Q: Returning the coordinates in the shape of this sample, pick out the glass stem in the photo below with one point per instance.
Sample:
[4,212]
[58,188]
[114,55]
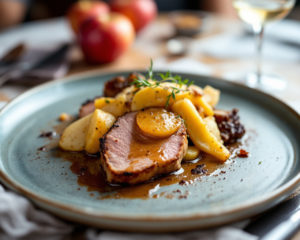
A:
[259,34]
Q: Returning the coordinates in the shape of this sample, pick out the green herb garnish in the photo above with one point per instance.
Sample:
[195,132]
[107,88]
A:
[150,81]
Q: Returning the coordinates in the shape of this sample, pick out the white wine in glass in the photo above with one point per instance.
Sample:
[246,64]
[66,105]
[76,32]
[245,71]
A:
[257,13]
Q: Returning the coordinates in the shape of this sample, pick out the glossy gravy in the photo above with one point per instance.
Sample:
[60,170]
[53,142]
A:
[90,175]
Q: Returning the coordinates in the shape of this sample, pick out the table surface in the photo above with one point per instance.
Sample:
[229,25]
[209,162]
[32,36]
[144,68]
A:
[151,44]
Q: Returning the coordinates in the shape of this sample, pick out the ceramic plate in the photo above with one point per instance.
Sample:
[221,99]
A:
[247,187]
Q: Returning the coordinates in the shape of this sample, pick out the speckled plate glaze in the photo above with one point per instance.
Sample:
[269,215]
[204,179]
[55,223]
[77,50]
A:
[251,185]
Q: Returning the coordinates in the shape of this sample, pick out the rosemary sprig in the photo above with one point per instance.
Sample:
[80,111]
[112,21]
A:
[150,70]
[141,82]
[150,81]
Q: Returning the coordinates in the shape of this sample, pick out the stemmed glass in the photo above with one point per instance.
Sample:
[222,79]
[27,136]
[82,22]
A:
[257,13]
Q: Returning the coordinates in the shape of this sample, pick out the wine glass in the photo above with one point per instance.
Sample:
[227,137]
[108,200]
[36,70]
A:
[257,13]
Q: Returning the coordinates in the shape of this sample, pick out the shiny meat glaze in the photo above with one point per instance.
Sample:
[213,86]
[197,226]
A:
[129,157]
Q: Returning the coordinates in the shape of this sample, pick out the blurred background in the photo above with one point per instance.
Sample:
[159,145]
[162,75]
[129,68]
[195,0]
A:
[14,12]
[54,38]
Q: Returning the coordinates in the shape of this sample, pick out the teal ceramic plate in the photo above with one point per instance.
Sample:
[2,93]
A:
[247,187]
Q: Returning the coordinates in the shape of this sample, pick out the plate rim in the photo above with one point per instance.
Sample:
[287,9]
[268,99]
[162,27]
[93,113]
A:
[271,197]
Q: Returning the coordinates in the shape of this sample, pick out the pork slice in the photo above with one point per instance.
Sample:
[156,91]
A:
[86,108]
[129,157]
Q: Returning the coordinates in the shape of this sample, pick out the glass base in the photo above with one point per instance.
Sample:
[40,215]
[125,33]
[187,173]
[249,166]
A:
[265,82]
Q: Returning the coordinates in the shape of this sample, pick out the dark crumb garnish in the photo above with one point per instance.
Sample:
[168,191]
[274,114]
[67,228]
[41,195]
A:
[43,148]
[199,169]
[83,170]
[176,191]
[182,182]
[117,84]
[229,125]
[47,134]
[182,197]
[243,153]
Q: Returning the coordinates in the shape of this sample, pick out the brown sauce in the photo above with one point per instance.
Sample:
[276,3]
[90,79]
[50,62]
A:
[145,152]
[89,173]
[87,168]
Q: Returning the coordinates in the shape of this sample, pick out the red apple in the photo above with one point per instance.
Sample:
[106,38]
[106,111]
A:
[105,38]
[82,10]
[140,12]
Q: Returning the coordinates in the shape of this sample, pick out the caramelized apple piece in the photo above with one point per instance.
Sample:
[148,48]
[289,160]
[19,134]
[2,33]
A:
[198,131]
[158,96]
[157,122]
[191,154]
[99,124]
[114,106]
[73,137]
[211,95]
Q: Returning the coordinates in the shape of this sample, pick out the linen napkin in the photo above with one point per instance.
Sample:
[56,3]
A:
[19,219]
